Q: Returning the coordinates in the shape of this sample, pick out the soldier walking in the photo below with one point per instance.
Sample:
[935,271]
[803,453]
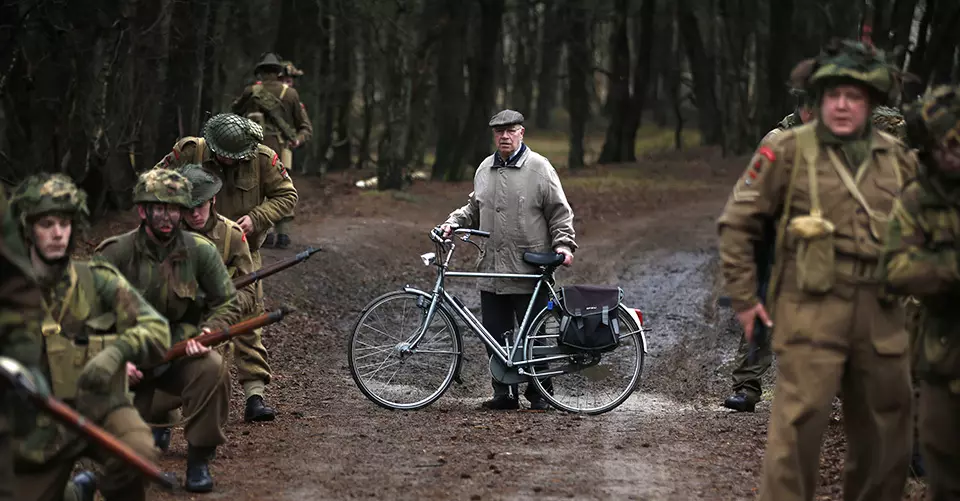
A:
[274,103]
[829,187]
[180,273]
[94,323]
[921,259]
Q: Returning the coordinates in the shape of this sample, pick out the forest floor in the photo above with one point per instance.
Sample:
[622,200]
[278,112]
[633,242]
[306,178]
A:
[649,228]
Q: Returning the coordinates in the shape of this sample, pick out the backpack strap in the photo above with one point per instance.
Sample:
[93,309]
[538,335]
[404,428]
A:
[284,91]
[198,155]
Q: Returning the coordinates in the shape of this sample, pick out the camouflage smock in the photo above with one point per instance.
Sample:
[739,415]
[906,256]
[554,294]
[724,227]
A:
[186,282]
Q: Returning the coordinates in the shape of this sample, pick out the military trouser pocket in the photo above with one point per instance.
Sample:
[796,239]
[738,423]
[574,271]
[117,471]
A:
[888,334]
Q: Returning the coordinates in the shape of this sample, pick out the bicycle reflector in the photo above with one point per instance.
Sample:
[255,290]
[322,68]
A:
[639,315]
[428,258]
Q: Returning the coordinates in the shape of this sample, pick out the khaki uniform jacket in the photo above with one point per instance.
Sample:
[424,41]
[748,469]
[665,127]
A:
[922,259]
[187,282]
[232,245]
[523,206]
[292,110]
[760,194]
[259,187]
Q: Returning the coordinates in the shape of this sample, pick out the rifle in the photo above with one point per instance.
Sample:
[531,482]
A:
[266,271]
[214,338]
[15,376]
[763,259]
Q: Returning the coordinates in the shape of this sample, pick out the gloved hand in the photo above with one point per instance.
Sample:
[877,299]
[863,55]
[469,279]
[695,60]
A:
[100,369]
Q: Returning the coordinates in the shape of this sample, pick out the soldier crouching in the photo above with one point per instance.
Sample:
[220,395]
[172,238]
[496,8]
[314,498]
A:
[181,274]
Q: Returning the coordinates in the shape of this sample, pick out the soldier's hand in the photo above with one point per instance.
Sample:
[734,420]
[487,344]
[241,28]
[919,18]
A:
[134,376]
[293,144]
[195,349]
[246,224]
[748,317]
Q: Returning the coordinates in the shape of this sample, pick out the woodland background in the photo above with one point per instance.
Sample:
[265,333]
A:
[101,89]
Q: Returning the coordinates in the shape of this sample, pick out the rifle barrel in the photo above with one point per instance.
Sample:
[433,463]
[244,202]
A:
[266,271]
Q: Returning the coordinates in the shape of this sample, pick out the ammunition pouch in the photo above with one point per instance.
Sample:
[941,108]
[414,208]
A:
[816,259]
[272,107]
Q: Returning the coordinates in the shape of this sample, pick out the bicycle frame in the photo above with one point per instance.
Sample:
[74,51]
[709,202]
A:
[440,294]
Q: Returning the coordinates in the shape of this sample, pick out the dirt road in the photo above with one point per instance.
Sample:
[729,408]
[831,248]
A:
[654,234]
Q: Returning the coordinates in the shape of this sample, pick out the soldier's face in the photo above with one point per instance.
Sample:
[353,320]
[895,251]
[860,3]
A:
[508,138]
[51,236]
[844,109]
[162,219]
[947,155]
[197,217]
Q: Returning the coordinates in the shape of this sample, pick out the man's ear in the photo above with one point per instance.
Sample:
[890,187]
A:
[142,211]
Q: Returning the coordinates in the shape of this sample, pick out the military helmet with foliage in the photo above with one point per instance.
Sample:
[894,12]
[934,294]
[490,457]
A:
[162,186]
[290,70]
[890,120]
[849,60]
[935,118]
[232,136]
[47,193]
[205,185]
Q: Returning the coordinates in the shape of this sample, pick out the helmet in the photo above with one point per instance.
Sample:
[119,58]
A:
[289,70]
[890,120]
[205,184]
[232,136]
[45,193]
[935,118]
[269,62]
[856,61]
[164,186]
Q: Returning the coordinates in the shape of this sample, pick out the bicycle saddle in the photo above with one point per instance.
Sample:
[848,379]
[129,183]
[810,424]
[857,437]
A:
[543,258]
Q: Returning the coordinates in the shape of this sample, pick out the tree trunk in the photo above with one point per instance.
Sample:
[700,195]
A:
[525,38]
[343,68]
[779,58]
[368,89]
[182,116]
[641,79]
[701,65]
[450,62]
[579,68]
[619,82]
[550,50]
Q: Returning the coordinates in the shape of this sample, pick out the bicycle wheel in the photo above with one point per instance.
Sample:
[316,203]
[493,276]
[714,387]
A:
[589,383]
[383,365]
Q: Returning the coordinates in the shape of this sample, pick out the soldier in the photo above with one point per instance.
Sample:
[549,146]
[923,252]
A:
[276,106]
[282,238]
[544,223]
[828,186]
[181,274]
[754,360]
[257,192]
[232,246]
[921,260]
[94,322]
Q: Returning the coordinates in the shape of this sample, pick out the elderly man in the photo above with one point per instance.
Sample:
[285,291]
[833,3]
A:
[517,197]
[829,186]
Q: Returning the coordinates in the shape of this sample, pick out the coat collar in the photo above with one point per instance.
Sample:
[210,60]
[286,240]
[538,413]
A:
[516,161]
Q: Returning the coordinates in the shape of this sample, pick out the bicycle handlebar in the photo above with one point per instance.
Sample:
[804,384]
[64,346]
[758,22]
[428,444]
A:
[437,235]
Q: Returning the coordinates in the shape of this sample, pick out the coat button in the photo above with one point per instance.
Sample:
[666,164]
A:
[498,209]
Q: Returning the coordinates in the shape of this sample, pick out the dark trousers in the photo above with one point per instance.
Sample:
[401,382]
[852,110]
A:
[504,312]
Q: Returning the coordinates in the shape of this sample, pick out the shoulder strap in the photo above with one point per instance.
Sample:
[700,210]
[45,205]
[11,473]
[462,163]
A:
[198,154]
[284,91]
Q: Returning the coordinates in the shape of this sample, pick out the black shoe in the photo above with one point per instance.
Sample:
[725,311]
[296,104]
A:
[257,411]
[270,239]
[198,469]
[283,241]
[740,402]
[540,404]
[501,403]
[161,438]
[85,484]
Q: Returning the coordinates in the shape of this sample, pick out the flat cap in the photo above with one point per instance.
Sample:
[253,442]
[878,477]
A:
[506,117]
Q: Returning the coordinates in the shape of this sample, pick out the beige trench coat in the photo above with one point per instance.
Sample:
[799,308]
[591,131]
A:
[524,208]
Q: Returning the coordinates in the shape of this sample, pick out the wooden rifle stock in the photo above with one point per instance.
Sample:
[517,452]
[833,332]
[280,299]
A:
[266,271]
[72,419]
[214,338]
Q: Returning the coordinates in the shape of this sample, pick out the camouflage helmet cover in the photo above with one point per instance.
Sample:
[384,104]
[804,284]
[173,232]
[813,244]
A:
[163,186]
[853,60]
[232,136]
[290,70]
[890,120]
[935,118]
[48,193]
[205,185]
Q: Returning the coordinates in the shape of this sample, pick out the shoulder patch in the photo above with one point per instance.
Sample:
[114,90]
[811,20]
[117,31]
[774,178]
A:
[767,152]
[276,158]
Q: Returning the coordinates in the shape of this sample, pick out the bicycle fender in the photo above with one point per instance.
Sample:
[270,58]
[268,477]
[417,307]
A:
[636,318]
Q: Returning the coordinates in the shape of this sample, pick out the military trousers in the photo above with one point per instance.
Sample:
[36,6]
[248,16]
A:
[201,385]
[120,482]
[939,422]
[856,345]
[747,375]
[249,354]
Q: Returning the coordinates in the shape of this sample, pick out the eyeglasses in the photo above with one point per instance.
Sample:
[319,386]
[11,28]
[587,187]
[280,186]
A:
[502,131]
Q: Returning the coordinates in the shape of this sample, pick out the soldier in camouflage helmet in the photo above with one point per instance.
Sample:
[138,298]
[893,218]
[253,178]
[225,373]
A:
[921,259]
[94,323]
[250,355]
[836,330]
[180,273]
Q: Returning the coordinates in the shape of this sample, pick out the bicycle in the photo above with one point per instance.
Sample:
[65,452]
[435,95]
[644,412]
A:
[406,355]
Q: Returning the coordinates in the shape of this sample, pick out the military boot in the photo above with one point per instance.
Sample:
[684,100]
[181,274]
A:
[740,402]
[258,411]
[161,438]
[198,469]
[82,487]
[283,241]
[271,237]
